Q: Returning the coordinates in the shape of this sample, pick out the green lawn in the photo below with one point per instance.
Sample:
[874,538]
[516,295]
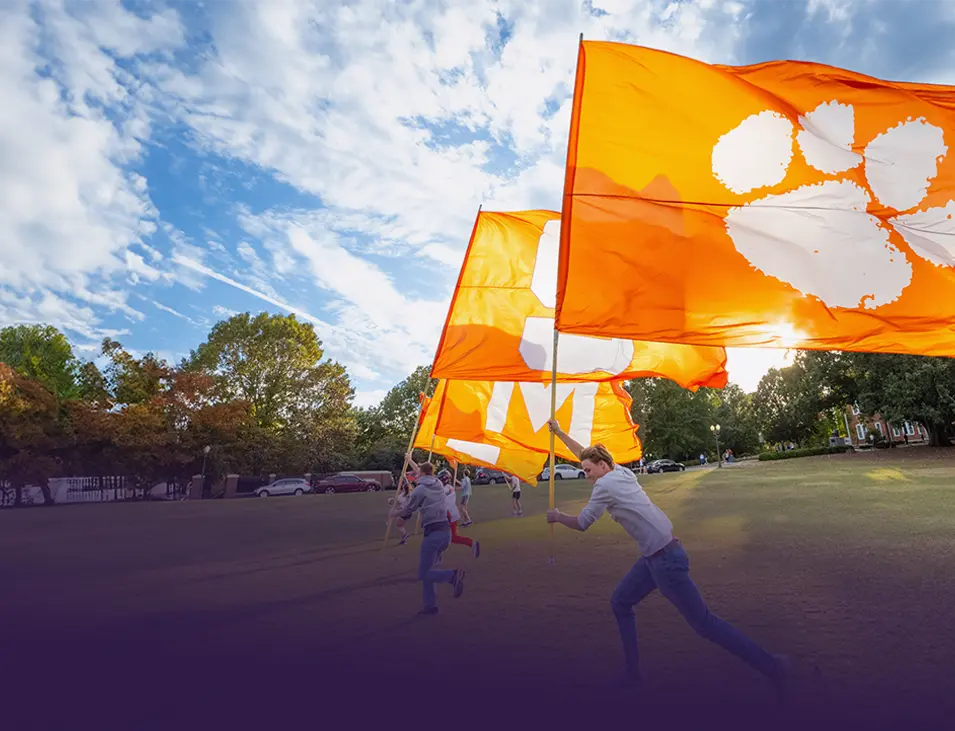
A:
[843,562]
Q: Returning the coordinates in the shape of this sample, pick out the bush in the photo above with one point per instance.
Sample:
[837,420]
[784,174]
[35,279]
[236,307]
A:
[793,453]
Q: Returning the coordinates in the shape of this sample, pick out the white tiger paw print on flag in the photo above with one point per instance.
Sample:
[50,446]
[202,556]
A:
[819,237]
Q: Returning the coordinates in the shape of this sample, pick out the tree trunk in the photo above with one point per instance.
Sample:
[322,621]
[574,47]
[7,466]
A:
[47,493]
[937,436]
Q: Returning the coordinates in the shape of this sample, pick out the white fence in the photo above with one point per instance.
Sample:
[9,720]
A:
[88,490]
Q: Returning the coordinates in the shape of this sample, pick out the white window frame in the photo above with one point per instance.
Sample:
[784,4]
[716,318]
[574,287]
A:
[878,428]
[861,432]
[896,432]
[855,409]
[909,429]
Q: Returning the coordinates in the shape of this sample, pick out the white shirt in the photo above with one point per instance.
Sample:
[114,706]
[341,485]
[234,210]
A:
[620,494]
[452,504]
[515,483]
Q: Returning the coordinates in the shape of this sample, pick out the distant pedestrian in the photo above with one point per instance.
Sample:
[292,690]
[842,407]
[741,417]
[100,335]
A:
[515,483]
[398,503]
[464,485]
[454,516]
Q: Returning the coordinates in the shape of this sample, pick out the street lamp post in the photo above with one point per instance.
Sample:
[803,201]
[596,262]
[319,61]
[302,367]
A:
[715,428]
[205,453]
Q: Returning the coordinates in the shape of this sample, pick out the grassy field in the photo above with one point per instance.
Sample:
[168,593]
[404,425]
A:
[183,615]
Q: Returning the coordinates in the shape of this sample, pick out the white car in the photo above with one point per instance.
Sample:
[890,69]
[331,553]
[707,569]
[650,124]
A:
[564,472]
[290,486]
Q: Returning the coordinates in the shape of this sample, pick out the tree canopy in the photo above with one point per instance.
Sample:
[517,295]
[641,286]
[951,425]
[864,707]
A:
[261,395]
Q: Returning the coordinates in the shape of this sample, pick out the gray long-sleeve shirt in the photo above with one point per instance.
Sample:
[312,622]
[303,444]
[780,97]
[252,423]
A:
[430,498]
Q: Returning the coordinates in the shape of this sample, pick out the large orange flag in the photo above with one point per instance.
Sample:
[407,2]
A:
[783,204]
[507,413]
[500,325]
[504,456]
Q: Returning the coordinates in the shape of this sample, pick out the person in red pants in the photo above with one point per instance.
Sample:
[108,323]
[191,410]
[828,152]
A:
[454,516]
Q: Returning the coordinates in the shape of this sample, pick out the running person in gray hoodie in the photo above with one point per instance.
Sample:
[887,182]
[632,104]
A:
[431,499]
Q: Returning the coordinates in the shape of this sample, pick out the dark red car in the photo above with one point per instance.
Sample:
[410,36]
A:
[345,483]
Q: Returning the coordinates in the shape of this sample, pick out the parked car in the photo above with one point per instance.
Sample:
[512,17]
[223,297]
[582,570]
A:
[664,465]
[290,486]
[485,476]
[382,477]
[345,482]
[564,472]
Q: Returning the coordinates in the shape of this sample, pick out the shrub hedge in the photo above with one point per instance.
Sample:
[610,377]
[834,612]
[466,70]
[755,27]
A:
[810,452]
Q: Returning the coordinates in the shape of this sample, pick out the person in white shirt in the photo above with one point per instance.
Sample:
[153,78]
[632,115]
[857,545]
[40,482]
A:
[663,565]
[515,484]
[464,485]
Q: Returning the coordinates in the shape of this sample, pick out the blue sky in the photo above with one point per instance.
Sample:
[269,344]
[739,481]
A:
[164,165]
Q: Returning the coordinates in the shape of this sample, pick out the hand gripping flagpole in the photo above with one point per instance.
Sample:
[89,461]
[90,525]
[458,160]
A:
[553,415]
[404,467]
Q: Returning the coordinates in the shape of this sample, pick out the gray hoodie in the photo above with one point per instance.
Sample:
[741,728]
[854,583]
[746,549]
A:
[430,498]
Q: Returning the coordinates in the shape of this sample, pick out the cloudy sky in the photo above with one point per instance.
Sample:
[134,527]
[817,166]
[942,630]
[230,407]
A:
[163,165]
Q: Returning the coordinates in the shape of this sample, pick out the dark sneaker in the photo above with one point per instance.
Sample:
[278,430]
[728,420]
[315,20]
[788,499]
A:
[458,583]
[428,611]
[404,539]
[476,548]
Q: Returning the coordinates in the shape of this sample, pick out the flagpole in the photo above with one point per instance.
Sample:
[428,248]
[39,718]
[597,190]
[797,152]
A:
[553,415]
[404,467]
[564,220]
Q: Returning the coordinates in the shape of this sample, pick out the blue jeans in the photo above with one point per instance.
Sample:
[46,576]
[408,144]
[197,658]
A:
[669,572]
[433,544]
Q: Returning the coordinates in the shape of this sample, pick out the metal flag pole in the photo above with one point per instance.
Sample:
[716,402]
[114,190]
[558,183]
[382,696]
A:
[553,415]
[404,468]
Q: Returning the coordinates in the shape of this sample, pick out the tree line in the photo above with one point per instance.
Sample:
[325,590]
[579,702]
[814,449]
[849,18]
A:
[260,393]
[803,404]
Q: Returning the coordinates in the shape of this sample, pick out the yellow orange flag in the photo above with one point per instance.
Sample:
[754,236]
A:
[507,457]
[783,204]
[506,413]
[500,325]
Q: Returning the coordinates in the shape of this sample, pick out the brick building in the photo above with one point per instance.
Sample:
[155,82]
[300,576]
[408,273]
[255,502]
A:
[859,426]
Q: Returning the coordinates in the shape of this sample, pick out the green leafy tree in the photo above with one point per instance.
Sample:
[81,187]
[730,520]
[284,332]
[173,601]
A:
[274,363]
[383,431]
[674,422]
[908,388]
[31,430]
[733,411]
[787,405]
[399,408]
[130,380]
[43,354]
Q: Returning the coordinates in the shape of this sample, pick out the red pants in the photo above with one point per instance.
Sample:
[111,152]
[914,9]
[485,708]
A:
[462,540]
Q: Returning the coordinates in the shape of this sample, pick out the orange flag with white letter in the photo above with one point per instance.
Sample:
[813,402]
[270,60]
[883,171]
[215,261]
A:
[500,325]
[505,413]
[504,456]
[785,204]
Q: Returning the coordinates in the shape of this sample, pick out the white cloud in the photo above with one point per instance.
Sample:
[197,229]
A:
[343,343]
[224,312]
[326,104]
[367,301]
[366,399]
[399,118]
[170,310]
[69,206]
[402,119]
